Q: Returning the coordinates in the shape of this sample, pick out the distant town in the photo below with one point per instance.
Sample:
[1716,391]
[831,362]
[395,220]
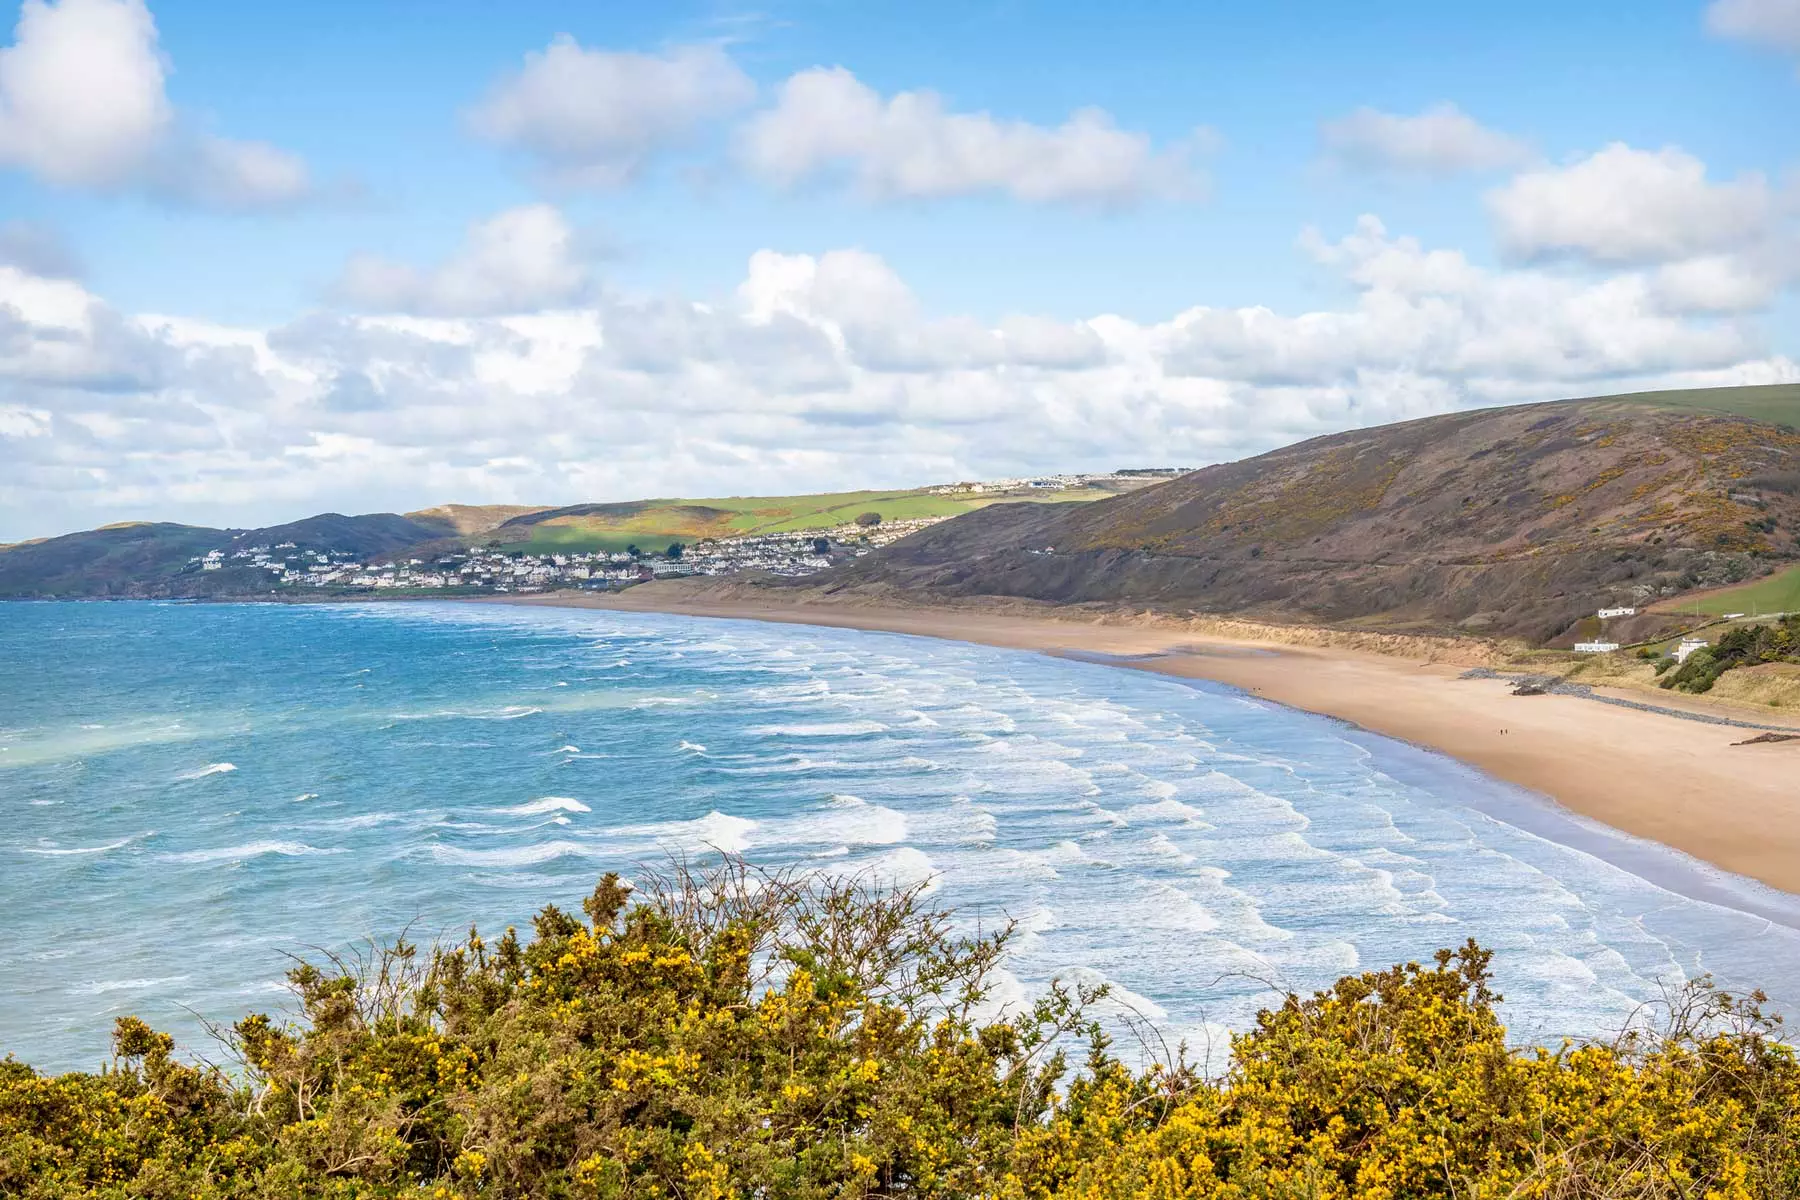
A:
[498,569]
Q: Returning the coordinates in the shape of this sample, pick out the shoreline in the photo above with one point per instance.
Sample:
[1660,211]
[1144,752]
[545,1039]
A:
[1660,777]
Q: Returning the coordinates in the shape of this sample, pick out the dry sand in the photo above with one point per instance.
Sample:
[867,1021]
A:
[1675,781]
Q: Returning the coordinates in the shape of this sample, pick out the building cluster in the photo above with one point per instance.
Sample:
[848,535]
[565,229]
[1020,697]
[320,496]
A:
[1119,480]
[500,570]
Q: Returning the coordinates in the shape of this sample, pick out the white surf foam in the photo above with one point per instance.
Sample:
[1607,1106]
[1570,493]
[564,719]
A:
[247,851]
[101,986]
[547,804]
[512,856]
[715,831]
[218,768]
[845,819]
[57,851]
[820,729]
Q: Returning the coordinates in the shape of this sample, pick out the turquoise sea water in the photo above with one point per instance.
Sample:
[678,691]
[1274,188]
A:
[190,794]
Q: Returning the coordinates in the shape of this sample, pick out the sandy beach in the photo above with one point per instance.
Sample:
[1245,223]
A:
[1679,782]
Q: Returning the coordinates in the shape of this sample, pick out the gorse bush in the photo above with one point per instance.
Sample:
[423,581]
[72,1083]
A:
[732,1034]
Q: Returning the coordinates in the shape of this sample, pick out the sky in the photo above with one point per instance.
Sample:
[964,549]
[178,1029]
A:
[261,261]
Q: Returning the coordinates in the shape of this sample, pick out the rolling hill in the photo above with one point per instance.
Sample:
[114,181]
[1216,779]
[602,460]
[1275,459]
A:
[152,559]
[655,523]
[1517,521]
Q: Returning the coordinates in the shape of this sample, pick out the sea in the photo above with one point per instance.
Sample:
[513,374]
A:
[193,797]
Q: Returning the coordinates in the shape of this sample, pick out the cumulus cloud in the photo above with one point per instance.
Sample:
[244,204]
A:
[1774,23]
[1442,140]
[820,371]
[518,260]
[82,105]
[910,146]
[596,117]
[1624,205]
[1721,283]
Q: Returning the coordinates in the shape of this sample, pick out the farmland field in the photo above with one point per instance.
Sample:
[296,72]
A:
[652,524]
[1775,593]
[1776,402]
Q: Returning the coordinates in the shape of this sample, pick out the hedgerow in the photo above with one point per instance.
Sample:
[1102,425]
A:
[731,1034]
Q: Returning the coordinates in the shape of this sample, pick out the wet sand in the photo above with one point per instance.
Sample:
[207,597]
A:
[1675,781]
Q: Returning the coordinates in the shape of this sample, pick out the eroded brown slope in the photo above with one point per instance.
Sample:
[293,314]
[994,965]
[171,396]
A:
[1516,521]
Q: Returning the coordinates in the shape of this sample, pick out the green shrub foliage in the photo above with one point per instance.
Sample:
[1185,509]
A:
[729,1034]
[1740,646]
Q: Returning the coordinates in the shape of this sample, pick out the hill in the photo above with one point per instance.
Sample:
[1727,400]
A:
[154,559]
[468,520]
[655,523]
[1517,521]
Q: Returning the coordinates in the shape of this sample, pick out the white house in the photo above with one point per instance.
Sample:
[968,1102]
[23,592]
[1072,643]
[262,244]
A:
[1595,647]
[1608,613]
[1687,647]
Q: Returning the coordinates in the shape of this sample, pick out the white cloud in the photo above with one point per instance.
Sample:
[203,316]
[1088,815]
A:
[1623,205]
[1720,283]
[819,372]
[909,146]
[1442,140]
[515,261]
[1773,23]
[595,117]
[82,104]
[81,91]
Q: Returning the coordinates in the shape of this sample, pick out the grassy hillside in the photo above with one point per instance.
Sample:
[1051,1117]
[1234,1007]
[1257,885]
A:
[466,520]
[1518,521]
[655,523]
[1775,593]
[1776,403]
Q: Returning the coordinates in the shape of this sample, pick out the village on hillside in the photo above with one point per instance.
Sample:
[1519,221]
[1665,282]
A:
[501,571]
[493,568]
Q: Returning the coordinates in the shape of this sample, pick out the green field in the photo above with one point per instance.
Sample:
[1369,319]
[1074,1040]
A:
[652,524]
[1779,592]
[1776,402]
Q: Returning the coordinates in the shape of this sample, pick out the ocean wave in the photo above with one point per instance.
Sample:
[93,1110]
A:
[218,768]
[101,986]
[693,747]
[715,831]
[58,851]
[247,851]
[513,856]
[800,729]
[1168,810]
[547,804]
[845,819]
[360,821]
[906,867]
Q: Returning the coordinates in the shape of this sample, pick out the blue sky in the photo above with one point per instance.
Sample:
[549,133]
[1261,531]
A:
[302,187]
